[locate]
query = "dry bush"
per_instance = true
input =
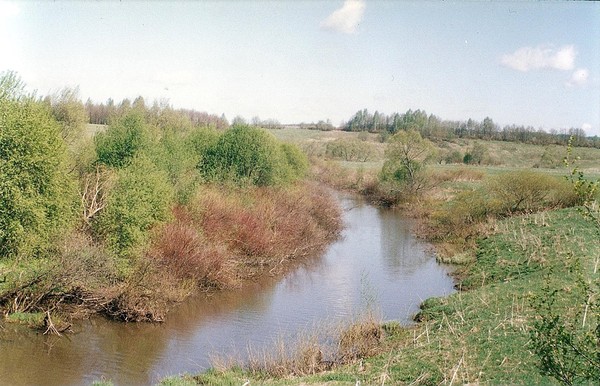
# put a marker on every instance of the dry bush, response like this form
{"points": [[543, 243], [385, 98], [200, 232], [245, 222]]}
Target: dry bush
{"points": [[360, 340], [266, 226], [304, 356], [313, 352], [180, 250]]}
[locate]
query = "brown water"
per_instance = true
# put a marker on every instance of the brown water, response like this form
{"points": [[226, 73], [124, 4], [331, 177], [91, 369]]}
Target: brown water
{"points": [[378, 263]]}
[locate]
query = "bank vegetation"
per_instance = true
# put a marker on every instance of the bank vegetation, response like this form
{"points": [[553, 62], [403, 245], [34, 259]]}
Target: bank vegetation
{"points": [[156, 205]]}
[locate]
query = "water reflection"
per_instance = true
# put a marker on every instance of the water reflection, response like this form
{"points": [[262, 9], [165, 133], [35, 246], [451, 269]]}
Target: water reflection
{"points": [[377, 262]]}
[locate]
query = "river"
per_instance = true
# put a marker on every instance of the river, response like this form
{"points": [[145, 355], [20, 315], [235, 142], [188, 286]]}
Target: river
{"points": [[376, 264]]}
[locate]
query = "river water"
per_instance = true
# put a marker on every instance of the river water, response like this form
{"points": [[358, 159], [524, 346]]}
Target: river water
{"points": [[376, 264]]}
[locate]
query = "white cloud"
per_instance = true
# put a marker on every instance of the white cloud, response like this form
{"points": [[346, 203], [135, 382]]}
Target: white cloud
{"points": [[579, 77], [586, 127], [541, 57], [347, 18]]}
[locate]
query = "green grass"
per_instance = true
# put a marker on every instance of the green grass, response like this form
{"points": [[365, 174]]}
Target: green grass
{"points": [[481, 334], [29, 319]]}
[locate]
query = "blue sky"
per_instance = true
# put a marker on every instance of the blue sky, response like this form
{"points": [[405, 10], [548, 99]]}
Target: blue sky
{"points": [[530, 63]]}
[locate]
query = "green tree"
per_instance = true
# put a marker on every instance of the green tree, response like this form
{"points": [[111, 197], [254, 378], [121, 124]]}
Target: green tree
{"points": [[124, 139], [406, 155], [36, 193], [70, 112], [140, 199], [244, 155]]}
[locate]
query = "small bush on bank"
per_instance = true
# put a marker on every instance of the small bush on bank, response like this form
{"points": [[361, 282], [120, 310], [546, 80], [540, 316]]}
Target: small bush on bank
{"points": [[181, 250], [526, 191]]}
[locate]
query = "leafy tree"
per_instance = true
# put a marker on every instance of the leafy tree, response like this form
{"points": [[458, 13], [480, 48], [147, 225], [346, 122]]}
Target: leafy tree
{"points": [[11, 86], [36, 193], [406, 155], [124, 139], [140, 199], [246, 155], [68, 110]]}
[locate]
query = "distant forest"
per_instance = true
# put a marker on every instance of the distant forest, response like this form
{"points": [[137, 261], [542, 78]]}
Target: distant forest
{"points": [[434, 128], [428, 125], [101, 113]]}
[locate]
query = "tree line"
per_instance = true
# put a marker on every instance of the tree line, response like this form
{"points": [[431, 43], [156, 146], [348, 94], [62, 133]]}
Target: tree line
{"points": [[433, 127]]}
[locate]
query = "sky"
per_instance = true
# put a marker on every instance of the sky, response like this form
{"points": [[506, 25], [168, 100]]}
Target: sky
{"points": [[528, 63]]}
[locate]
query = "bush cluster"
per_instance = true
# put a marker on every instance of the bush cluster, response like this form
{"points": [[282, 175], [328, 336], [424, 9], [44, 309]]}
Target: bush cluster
{"points": [[499, 196], [147, 217], [38, 197], [247, 155]]}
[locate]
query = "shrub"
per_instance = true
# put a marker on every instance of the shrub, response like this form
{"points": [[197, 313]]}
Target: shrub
{"points": [[499, 196], [200, 140], [478, 154], [403, 173], [37, 193], [454, 157], [140, 199], [184, 253], [528, 191], [123, 140], [296, 161], [246, 155], [350, 149]]}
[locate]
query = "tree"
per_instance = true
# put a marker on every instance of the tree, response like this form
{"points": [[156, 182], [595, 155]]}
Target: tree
{"points": [[140, 199], [126, 137], [36, 193], [11, 86], [68, 110], [246, 155], [405, 156]]}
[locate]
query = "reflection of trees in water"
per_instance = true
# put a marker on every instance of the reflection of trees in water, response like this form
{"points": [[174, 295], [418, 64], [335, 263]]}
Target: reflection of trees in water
{"points": [[401, 252]]}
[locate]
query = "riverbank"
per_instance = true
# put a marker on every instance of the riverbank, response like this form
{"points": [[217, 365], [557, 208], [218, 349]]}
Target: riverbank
{"points": [[482, 334], [224, 237]]}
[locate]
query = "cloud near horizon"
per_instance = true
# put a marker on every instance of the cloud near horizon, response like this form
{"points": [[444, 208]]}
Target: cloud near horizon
{"points": [[346, 18], [541, 57]]}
